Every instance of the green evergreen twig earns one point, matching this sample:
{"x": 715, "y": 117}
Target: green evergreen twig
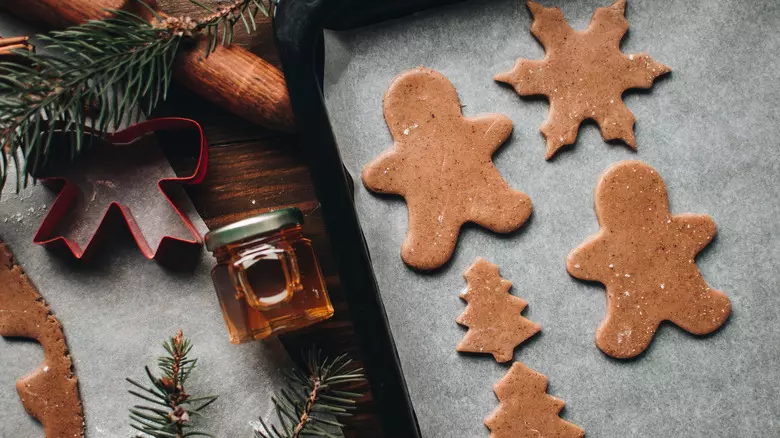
{"x": 303, "y": 408}
{"x": 105, "y": 73}
{"x": 173, "y": 409}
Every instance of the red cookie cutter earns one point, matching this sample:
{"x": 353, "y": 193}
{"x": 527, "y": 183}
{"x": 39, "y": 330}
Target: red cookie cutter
{"x": 46, "y": 236}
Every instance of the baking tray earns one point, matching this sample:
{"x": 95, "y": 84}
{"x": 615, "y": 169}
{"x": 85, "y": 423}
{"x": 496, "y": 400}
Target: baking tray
{"x": 298, "y": 28}
{"x": 708, "y": 128}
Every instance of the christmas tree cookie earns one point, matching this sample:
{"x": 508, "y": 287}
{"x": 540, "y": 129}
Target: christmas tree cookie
{"x": 526, "y": 410}
{"x": 493, "y": 315}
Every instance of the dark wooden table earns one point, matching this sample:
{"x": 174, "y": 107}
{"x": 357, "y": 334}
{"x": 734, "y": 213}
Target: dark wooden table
{"x": 253, "y": 170}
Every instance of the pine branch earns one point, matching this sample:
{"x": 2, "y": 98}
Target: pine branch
{"x": 173, "y": 417}
{"x": 303, "y": 407}
{"x": 106, "y": 73}
{"x": 223, "y": 19}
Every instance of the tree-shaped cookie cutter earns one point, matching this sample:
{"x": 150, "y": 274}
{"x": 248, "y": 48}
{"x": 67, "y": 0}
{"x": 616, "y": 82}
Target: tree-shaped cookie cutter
{"x": 49, "y": 237}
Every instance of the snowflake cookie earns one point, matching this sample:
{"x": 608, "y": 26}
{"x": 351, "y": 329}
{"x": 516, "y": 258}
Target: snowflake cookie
{"x": 583, "y": 74}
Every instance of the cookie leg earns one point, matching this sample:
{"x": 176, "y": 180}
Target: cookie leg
{"x": 625, "y": 332}
{"x": 704, "y": 313}
{"x": 502, "y": 211}
{"x": 431, "y": 238}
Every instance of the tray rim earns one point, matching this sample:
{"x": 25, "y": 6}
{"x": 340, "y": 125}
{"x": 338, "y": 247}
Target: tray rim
{"x": 298, "y": 27}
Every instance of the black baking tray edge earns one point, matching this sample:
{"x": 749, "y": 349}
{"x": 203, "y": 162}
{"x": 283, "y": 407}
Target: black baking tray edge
{"x": 298, "y": 25}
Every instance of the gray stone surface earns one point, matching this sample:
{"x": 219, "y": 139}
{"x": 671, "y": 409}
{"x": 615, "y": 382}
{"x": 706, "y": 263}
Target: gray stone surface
{"x": 709, "y": 128}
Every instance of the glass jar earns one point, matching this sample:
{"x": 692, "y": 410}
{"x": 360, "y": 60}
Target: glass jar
{"x": 267, "y": 276}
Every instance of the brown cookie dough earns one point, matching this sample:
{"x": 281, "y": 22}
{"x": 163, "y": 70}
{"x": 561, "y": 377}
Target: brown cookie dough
{"x": 441, "y": 164}
{"x": 492, "y": 315}
{"x": 644, "y": 255}
{"x": 50, "y": 393}
{"x": 583, "y": 74}
{"x": 526, "y": 410}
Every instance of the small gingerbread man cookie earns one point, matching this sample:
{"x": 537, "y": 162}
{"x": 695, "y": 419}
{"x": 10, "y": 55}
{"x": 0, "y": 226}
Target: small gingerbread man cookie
{"x": 441, "y": 164}
{"x": 645, "y": 256}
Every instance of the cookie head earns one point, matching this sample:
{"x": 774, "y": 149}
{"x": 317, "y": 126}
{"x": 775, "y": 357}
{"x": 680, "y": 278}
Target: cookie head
{"x": 635, "y": 187}
{"x": 418, "y": 97}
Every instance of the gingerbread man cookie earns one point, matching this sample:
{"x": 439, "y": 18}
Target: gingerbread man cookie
{"x": 645, "y": 256}
{"x": 583, "y": 74}
{"x": 441, "y": 164}
{"x": 526, "y": 410}
{"x": 50, "y": 393}
{"x": 493, "y": 315}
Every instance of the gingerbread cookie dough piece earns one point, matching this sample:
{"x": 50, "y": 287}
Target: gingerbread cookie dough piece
{"x": 645, "y": 256}
{"x": 583, "y": 74}
{"x": 50, "y": 393}
{"x": 492, "y": 315}
{"x": 441, "y": 164}
{"x": 526, "y": 410}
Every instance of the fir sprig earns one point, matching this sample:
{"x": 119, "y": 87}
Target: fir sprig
{"x": 223, "y": 19}
{"x": 174, "y": 409}
{"x": 105, "y": 73}
{"x": 311, "y": 398}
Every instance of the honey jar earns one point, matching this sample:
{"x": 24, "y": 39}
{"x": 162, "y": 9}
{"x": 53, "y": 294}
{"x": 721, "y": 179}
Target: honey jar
{"x": 267, "y": 276}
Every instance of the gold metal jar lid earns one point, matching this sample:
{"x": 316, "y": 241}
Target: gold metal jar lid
{"x": 253, "y": 226}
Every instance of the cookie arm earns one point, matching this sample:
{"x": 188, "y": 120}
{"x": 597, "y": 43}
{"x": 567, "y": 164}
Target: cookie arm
{"x": 490, "y": 131}
{"x": 385, "y": 173}
{"x": 697, "y": 230}
{"x": 590, "y": 260}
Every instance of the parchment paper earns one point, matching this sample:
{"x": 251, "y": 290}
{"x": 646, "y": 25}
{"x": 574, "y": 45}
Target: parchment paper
{"x": 116, "y": 311}
{"x": 710, "y": 129}
{"x": 118, "y": 308}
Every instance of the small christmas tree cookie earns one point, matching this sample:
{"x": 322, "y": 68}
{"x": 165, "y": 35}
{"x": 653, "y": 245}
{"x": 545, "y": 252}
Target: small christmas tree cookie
{"x": 526, "y": 410}
{"x": 492, "y": 315}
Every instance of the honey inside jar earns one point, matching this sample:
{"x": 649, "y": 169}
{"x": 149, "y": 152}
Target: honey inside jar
{"x": 267, "y": 276}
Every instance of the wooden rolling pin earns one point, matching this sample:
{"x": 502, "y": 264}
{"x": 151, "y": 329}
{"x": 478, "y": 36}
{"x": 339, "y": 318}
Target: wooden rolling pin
{"x": 231, "y": 77}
